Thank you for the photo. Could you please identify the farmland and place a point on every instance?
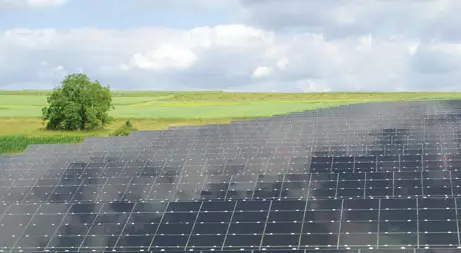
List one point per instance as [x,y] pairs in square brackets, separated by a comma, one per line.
[20,111]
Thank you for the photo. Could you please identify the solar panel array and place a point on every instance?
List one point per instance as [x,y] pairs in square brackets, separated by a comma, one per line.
[377,177]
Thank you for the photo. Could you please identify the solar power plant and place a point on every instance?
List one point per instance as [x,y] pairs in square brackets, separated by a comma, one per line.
[375,177]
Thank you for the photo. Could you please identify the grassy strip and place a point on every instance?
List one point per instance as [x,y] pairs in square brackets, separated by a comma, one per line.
[20,125]
[156,105]
[14,144]
[21,106]
[34,126]
[19,133]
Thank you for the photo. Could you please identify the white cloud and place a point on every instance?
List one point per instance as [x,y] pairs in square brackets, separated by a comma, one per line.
[228,36]
[56,72]
[261,71]
[202,57]
[309,85]
[295,45]
[282,63]
[163,58]
[230,57]
[412,18]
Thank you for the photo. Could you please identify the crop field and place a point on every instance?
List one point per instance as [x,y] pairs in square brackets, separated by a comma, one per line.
[10,144]
[20,111]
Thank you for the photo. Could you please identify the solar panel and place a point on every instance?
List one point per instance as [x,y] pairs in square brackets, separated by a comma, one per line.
[377,177]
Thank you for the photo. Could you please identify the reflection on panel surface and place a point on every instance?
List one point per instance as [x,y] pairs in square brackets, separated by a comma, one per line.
[379,177]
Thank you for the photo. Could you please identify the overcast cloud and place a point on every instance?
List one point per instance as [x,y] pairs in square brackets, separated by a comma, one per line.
[252,45]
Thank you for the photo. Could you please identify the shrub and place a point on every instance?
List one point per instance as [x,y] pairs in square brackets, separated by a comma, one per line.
[124,130]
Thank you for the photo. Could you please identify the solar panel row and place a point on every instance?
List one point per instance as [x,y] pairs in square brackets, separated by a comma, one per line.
[357,178]
[74,185]
[386,223]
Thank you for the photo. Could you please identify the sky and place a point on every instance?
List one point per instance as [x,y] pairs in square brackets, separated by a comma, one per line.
[233,45]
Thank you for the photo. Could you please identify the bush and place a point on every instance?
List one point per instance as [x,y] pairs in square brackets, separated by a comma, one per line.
[124,130]
[79,104]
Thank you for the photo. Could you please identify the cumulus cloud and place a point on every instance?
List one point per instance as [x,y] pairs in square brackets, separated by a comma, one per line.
[165,57]
[428,19]
[294,45]
[234,57]
[282,63]
[205,57]
[51,72]
[261,72]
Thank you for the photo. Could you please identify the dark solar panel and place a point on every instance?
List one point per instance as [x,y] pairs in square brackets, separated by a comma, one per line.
[378,177]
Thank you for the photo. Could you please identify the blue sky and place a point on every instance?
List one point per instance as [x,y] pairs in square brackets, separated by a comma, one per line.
[113,14]
[242,45]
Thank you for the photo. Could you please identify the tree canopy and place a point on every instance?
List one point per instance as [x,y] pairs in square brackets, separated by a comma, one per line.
[78,104]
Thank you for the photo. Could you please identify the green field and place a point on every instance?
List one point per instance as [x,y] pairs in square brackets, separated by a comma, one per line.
[20,111]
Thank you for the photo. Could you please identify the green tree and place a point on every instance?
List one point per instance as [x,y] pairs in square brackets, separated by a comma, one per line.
[78,104]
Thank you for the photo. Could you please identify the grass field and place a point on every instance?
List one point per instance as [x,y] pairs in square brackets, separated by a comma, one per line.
[20,111]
